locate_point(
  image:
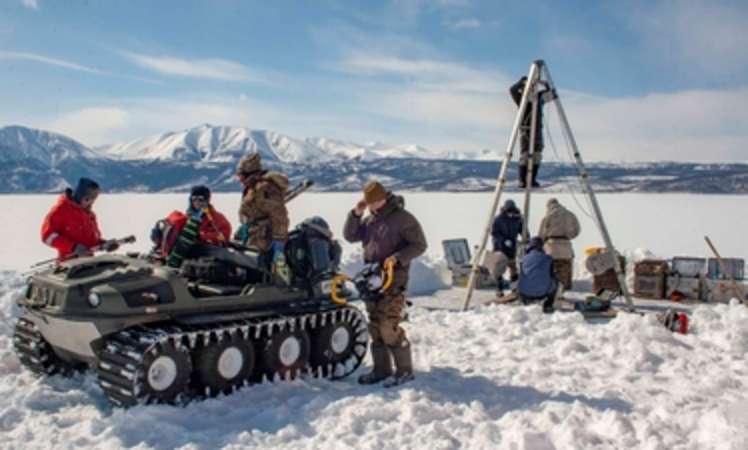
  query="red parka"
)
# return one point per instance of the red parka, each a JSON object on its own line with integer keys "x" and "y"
{"x": 68, "y": 224}
{"x": 214, "y": 228}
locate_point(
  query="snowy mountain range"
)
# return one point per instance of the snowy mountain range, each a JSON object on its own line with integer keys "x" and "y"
{"x": 39, "y": 161}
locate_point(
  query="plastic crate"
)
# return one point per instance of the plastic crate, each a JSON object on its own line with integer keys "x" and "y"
{"x": 688, "y": 267}
{"x": 735, "y": 268}
{"x": 689, "y": 287}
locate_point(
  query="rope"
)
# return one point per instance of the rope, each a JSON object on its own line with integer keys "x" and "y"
{"x": 567, "y": 184}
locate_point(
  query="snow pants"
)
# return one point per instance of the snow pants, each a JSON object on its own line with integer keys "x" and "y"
{"x": 562, "y": 269}
{"x": 384, "y": 319}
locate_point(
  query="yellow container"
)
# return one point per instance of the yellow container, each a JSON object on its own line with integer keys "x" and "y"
{"x": 589, "y": 251}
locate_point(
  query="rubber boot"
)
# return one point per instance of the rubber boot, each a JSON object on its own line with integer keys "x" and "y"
{"x": 382, "y": 365}
{"x": 535, "y": 170}
{"x": 403, "y": 365}
{"x": 522, "y": 172}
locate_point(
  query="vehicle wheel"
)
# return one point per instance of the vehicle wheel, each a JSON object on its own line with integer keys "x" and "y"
{"x": 286, "y": 353}
{"x": 35, "y": 353}
{"x": 166, "y": 372}
{"x": 223, "y": 366}
{"x": 340, "y": 346}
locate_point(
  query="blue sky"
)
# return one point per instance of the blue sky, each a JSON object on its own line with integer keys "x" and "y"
{"x": 639, "y": 80}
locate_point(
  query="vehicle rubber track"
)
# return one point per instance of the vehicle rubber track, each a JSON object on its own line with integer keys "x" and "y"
{"x": 121, "y": 360}
{"x": 34, "y": 352}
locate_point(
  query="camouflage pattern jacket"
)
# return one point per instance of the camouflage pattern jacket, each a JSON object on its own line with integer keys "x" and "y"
{"x": 263, "y": 208}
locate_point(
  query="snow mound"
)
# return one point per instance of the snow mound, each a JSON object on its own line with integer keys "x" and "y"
{"x": 428, "y": 273}
{"x": 490, "y": 378}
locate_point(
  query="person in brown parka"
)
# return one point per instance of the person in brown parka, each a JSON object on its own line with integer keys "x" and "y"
{"x": 263, "y": 213}
{"x": 558, "y": 228}
{"x": 389, "y": 232}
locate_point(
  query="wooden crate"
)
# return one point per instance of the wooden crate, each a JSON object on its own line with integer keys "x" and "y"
{"x": 649, "y": 286}
{"x": 651, "y": 267}
{"x": 608, "y": 279}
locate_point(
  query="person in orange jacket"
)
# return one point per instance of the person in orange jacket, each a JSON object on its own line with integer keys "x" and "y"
{"x": 214, "y": 227}
{"x": 70, "y": 226}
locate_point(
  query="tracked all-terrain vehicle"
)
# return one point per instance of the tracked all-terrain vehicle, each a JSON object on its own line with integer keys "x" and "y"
{"x": 156, "y": 334}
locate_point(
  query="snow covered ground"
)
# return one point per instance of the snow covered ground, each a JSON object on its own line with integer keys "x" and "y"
{"x": 494, "y": 377}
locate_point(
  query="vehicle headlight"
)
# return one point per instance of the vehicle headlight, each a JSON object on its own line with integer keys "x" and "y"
{"x": 94, "y": 299}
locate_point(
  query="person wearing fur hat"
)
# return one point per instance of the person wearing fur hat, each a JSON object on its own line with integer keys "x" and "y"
{"x": 507, "y": 226}
{"x": 263, "y": 213}
{"x": 200, "y": 222}
{"x": 537, "y": 281}
{"x": 70, "y": 226}
{"x": 558, "y": 228}
{"x": 388, "y": 233}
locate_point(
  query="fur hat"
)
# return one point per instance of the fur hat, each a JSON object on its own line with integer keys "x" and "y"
{"x": 200, "y": 191}
{"x": 249, "y": 164}
{"x": 374, "y": 192}
{"x": 86, "y": 187}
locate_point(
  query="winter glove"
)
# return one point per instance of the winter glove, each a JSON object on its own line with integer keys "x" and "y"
{"x": 110, "y": 245}
{"x": 81, "y": 250}
{"x": 242, "y": 233}
{"x": 277, "y": 247}
{"x": 279, "y": 262}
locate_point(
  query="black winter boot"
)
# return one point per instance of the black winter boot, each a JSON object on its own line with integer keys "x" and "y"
{"x": 382, "y": 365}
{"x": 535, "y": 170}
{"x": 403, "y": 364}
{"x": 522, "y": 172}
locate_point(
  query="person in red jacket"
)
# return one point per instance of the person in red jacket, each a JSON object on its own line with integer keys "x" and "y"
{"x": 70, "y": 226}
{"x": 214, "y": 227}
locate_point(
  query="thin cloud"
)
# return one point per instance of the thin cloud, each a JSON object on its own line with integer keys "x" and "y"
{"x": 31, "y": 4}
{"x": 465, "y": 24}
{"x": 709, "y": 37}
{"x": 46, "y": 60}
{"x": 216, "y": 69}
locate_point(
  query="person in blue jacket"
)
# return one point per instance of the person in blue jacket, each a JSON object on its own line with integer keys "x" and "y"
{"x": 536, "y": 278}
{"x": 507, "y": 226}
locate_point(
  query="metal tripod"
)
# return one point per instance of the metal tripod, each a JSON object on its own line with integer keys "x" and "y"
{"x": 539, "y": 73}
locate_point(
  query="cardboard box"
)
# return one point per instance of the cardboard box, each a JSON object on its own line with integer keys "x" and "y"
{"x": 649, "y": 286}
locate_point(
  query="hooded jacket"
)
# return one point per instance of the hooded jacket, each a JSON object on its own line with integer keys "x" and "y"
{"x": 536, "y": 279}
{"x": 391, "y": 231}
{"x": 557, "y": 227}
{"x": 68, "y": 224}
{"x": 263, "y": 206}
{"x": 506, "y": 227}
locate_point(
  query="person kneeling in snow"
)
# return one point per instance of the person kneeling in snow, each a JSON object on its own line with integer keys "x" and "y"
{"x": 388, "y": 233}
{"x": 174, "y": 236}
{"x": 70, "y": 226}
{"x": 536, "y": 278}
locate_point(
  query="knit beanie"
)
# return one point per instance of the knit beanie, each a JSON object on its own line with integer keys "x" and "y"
{"x": 85, "y": 188}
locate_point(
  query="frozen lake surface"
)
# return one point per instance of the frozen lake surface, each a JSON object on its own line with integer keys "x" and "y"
{"x": 496, "y": 377}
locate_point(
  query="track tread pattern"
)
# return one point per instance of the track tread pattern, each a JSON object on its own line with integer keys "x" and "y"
{"x": 121, "y": 372}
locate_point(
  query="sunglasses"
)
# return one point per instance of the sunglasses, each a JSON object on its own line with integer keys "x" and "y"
{"x": 199, "y": 198}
